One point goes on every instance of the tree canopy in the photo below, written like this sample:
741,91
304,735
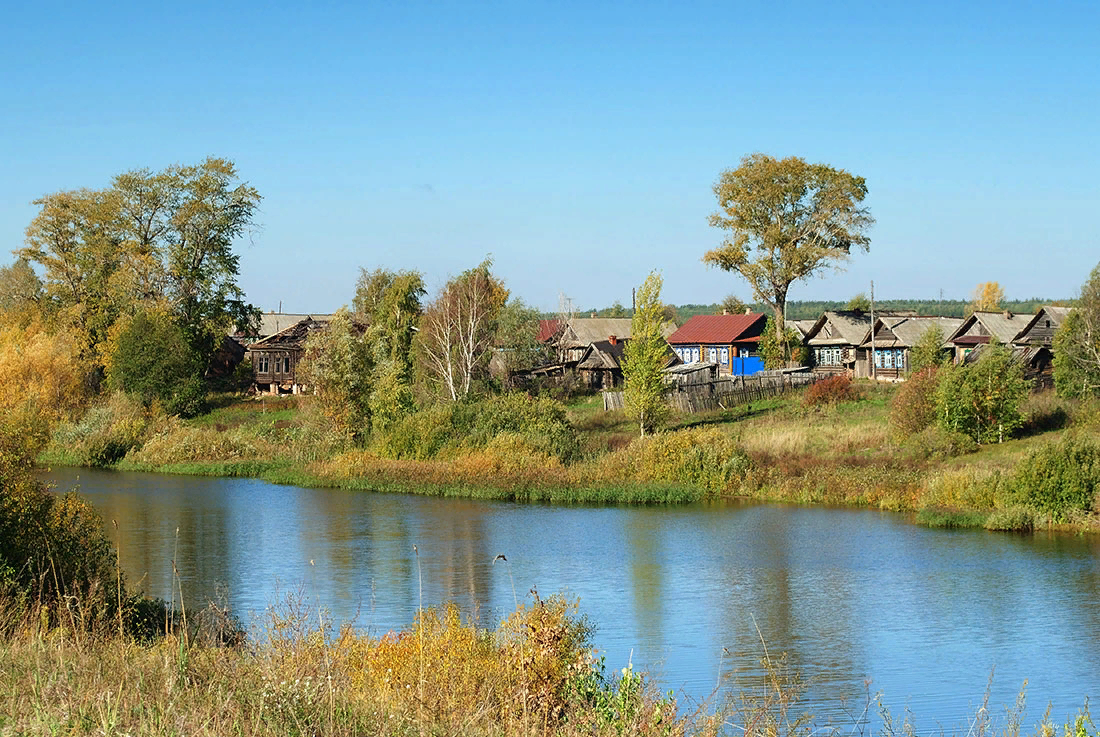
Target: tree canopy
987,297
151,239
786,221
1077,344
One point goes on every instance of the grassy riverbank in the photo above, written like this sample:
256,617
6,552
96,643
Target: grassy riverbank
534,674
837,453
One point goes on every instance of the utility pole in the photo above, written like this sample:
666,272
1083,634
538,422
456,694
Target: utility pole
874,373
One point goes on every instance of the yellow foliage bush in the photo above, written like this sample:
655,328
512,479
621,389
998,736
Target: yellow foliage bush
40,369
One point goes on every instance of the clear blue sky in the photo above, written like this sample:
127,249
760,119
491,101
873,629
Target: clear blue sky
575,142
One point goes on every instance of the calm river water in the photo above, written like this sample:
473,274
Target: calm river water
688,592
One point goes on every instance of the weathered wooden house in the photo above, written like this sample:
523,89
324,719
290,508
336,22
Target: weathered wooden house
1037,362
275,358
894,338
981,327
835,341
731,341
1040,330
601,365
271,323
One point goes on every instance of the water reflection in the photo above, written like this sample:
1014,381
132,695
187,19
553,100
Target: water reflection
693,594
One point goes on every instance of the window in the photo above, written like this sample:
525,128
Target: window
890,358
712,354
725,355
695,355
261,365
286,364
829,356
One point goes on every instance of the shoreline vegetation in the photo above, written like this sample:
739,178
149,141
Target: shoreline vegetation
817,446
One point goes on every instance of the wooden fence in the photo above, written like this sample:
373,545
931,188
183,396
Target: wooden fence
727,391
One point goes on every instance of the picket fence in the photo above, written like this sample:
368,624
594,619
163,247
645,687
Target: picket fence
727,391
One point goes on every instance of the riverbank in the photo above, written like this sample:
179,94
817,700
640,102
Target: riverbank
838,453
534,674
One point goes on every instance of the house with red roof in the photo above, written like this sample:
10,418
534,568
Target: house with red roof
731,341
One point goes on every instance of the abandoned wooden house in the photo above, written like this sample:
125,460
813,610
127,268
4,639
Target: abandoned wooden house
271,323
275,358
894,337
1037,362
1040,330
981,327
731,341
601,365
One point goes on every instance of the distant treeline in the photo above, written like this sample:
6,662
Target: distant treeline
805,310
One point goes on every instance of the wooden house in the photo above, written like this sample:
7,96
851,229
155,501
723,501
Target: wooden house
894,338
731,341
1040,330
271,323
601,365
1037,362
835,341
981,327
275,358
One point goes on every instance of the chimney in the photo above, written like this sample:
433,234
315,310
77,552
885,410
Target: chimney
613,340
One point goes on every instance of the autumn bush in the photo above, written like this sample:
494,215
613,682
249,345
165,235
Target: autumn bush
913,407
40,370
832,390
702,457
454,429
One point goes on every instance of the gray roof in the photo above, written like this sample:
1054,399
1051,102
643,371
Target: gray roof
1004,326
272,323
583,331
909,330
802,327
1056,315
842,327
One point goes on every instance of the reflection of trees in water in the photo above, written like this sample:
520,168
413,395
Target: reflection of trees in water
647,560
783,595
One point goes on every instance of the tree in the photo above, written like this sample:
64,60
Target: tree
1077,344
148,357
339,366
987,297
148,240
20,288
458,327
859,302
517,340
928,351
644,359
787,220
390,303
983,399
777,354
732,305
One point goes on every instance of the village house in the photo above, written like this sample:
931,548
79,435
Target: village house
1040,330
271,323
731,341
601,365
894,337
835,340
275,358
981,327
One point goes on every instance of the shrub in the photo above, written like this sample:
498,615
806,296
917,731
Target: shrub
936,443
148,356
913,407
1017,518
1060,479
455,429
705,458
832,390
104,435
1046,411
983,399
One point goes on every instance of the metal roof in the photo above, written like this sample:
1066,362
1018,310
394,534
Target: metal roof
720,329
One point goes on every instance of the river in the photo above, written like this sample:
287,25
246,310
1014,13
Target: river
692,594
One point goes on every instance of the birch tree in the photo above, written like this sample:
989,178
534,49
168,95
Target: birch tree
458,327
1077,344
787,220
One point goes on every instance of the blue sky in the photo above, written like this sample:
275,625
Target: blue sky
577,143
